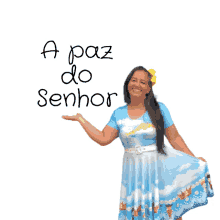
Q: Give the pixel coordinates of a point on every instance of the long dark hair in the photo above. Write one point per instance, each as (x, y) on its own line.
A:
(152, 106)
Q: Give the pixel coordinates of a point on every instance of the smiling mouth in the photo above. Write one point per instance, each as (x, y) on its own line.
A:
(136, 90)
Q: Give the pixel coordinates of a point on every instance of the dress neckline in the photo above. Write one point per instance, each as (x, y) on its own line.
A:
(133, 118)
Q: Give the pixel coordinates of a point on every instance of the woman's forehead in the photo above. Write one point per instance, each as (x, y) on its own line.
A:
(140, 74)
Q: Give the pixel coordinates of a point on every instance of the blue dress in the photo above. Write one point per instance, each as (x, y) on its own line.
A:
(156, 186)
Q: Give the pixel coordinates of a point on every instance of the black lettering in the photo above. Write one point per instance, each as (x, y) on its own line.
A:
(109, 99)
(65, 98)
(81, 97)
(95, 95)
(72, 73)
(55, 100)
(72, 55)
(55, 46)
(42, 97)
(109, 51)
(95, 53)
(85, 71)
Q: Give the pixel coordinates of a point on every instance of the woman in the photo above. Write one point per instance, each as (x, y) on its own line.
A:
(157, 182)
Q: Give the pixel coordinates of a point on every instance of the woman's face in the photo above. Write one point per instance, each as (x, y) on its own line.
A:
(138, 85)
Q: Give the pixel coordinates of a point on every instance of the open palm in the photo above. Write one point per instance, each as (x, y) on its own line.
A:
(72, 118)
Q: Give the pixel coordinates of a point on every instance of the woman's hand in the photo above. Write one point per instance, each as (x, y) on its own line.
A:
(202, 159)
(72, 118)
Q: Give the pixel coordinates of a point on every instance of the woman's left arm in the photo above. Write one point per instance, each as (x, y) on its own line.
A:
(177, 142)
(172, 134)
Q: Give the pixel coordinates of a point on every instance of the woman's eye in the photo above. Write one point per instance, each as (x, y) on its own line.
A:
(143, 82)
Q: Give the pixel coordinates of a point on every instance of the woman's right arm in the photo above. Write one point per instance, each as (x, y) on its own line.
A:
(104, 137)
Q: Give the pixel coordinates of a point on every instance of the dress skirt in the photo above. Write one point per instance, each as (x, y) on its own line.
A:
(158, 187)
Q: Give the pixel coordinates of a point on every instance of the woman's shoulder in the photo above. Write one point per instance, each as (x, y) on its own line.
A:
(120, 111)
(166, 115)
(163, 107)
(121, 108)
(161, 104)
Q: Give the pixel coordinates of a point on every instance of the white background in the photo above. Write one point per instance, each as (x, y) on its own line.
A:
(49, 168)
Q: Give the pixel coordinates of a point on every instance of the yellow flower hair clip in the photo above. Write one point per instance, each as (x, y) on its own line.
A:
(153, 77)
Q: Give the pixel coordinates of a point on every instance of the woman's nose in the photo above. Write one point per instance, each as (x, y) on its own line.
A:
(138, 84)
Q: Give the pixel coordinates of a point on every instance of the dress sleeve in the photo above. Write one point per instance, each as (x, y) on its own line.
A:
(166, 115)
(113, 123)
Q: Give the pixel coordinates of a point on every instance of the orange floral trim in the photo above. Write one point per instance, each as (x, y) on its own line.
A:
(188, 192)
(181, 195)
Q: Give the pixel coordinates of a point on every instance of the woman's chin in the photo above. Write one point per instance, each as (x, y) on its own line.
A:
(136, 94)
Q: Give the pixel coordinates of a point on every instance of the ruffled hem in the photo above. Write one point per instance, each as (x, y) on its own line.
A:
(123, 216)
(170, 209)
(194, 206)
